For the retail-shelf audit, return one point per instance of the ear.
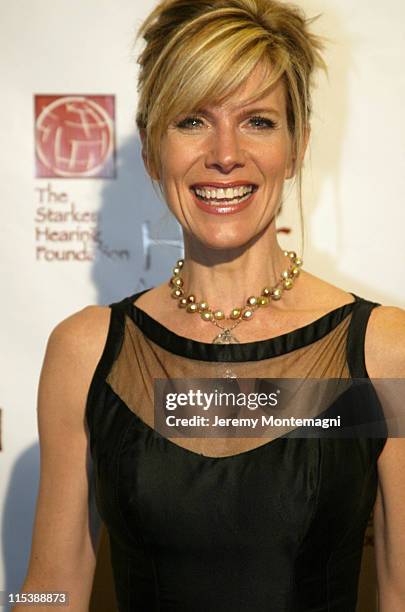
(152, 174)
(294, 162)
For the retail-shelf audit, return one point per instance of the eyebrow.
(264, 109)
(245, 110)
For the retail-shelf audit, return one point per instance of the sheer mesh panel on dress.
(141, 361)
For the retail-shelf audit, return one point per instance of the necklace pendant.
(229, 374)
(225, 337)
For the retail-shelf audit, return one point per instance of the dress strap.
(112, 346)
(115, 336)
(356, 337)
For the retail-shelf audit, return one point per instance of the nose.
(225, 151)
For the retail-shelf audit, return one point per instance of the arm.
(385, 358)
(67, 526)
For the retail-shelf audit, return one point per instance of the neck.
(226, 278)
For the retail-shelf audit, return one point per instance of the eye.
(189, 122)
(262, 122)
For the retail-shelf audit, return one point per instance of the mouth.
(218, 195)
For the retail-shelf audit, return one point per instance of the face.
(223, 168)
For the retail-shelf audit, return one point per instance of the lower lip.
(221, 209)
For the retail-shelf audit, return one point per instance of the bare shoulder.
(80, 338)
(73, 350)
(83, 331)
(385, 343)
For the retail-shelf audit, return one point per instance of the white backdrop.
(352, 200)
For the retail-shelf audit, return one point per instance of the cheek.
(280, 157)
(175, 162)
(172, 180)
(273, 159)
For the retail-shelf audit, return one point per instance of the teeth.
(223, 194)
(226, 202)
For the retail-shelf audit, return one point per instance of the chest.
(272, 497)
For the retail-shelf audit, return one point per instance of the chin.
(223, 241)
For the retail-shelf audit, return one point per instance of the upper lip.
(222, 185)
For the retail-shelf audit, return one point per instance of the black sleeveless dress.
(275, 527)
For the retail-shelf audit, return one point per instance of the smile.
(223, 200)
(223, 197)
(223, 194)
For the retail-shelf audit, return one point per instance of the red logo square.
(75, 136)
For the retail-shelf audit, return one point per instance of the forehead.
(248, 93)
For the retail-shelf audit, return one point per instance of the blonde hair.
(201, 51)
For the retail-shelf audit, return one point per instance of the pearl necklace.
(239, 314)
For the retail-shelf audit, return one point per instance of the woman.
(219, 523)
